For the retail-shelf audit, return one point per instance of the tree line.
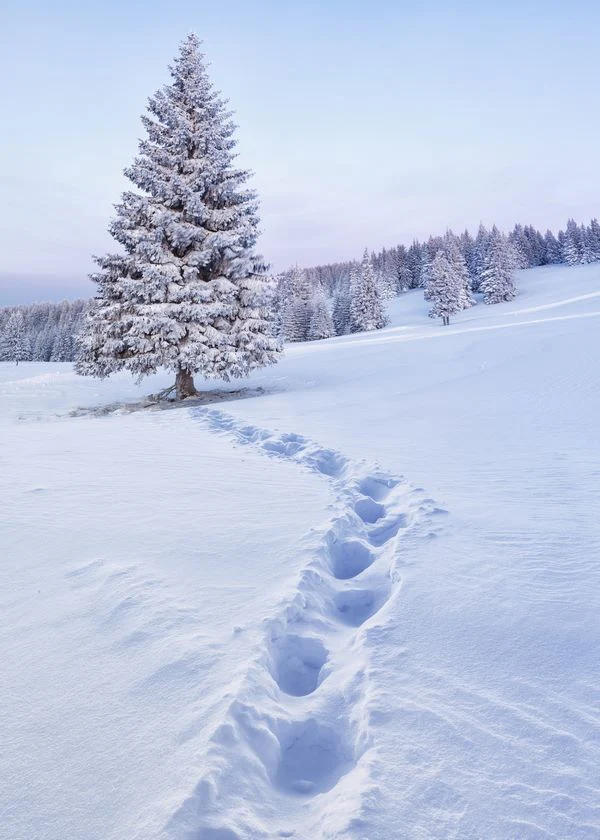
(41, 332)
(341, 298)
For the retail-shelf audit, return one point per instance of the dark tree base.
(184, 385)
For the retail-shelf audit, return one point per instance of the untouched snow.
(252, 622)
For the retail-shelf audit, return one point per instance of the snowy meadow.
(321, 611)
(313, 555)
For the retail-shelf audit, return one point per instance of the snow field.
(406, 669)
(137, 566)
(296, 747)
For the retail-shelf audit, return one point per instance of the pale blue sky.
(366, 123)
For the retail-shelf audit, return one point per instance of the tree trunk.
(184, 385)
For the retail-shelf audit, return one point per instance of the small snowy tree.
(497, 277)
(16, 347)
(188, 293)
(366, 307)
(321, 324)
(445, 288)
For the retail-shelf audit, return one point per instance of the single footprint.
(313, 758)
(297, 663)
(349, 558)
(355, 606)
(369, 510)
(377, 487)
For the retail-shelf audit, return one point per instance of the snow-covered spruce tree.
(413, 264)
(188, 293)
(572, 244)
(594, 239)
(445, 288)
(587, 252)
(479, 252)
(497, 277)
(16, 347)
(459, 266)
(294, 302)
(341, 309)
(521, 246)
(321, 324)
(553, 253)
(366, 306)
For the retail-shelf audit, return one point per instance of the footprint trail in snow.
(292, 757)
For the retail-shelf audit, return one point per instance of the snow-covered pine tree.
(425, 267)
(536, 245)
(572, 244)
(521, 246)
(341, 309)
(459, 266)
(366, 306)
(594, 239)
(428, 251)
(586, 254)
(497, 278)
(552, 249)
(400, 269)
(479, 255)
(188, 294)
(385, 266)
(467, 244)
(387, 285)
(413, 264)
(294, 300)
(445, 288)
(16, 347)
(321, 324)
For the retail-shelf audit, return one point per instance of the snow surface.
(250, 621)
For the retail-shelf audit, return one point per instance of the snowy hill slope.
(422, 663)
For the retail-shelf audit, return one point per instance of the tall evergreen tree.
(16, 347)
(586, 254)
(321, 324)
(467, 245)
(341, 310)
(594, 240)
(553, 253)
(294, 300)
(497, 278)
(459, 266)
(366, 306)
(445, 288)
(479, 254)
(188, 294)
(572, 244)
(413, 264)
(522, 247)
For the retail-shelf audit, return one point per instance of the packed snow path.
(295, 755)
